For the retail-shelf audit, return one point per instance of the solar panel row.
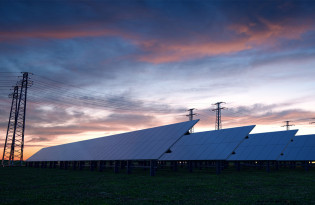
(138, 145)
(211, 145)
(169, 143)
(302, 148)
(263, 146)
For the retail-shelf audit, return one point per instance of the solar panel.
(210, 145)
(138, 145)
(302, 148)
(263, 146)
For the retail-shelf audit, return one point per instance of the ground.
(23, 185)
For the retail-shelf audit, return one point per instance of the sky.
(106, 67)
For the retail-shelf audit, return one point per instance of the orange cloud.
(82, 30)
(272, 31)
(168, 52)
(246, 38)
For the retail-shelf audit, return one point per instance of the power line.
(46, 91)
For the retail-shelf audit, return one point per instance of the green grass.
(22, 185)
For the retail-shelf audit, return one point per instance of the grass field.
(22, 185)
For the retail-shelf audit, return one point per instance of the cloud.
(62, 33)
(170, 32)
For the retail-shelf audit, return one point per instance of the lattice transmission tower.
(287, 125)
(191, 118)
(14, 141)
(218, 124)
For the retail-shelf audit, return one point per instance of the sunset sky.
(144, 63)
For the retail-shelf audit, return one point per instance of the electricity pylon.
(218, 124)
(287, 124)
(14, 141)
(190, 117)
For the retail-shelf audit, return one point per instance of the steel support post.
(218, 167)
(129, 163)
(306, 165)
(91, 165)
(195, 164)
(276, 165)
(237, 165)
(152, 167)
(144, 164)
(200, 165)
(190, 166)
(175, 166)
(116, 167)
(122, 164)
(268, 166)
(74, 165)
(100, 166)
(81, 163)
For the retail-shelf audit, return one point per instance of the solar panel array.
(138, 145)
(302, 148)
(169, 143)
(211, 145)
(263, 146)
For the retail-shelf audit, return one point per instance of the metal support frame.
(92, 165)
(218, 167)
(276, 165)
(152, 167)
(100, 166)
(175, 166)
(66, 163)
(268, 166)
(129, 165)
(306, 165)
(237, 165)
(190, 166)
(200, 165)
(116, 167)
(74, 165)
(81, 165)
